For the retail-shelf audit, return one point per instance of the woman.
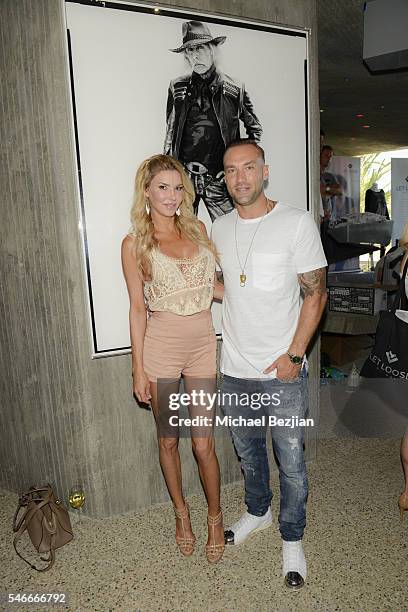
(403, 498)
(169, 267)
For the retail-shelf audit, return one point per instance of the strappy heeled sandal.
(214, 551)
(185, 543)
(403, 504)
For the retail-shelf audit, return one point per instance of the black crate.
(360, 300)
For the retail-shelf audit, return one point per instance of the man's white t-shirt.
(259, 320)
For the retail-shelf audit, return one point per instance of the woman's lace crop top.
(181, 286)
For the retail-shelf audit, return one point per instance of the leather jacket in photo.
(230, 102)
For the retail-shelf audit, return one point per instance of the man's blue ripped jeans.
(283, 401)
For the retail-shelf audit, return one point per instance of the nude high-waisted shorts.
(176, 345)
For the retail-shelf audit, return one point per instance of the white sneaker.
(294, 564)
(247, 524)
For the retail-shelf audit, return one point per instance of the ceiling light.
(360, 115)
(366, 126)
(322, 110)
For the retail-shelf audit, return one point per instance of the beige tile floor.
(356, 546)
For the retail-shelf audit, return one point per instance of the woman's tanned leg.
(169, 455)
(203, 446)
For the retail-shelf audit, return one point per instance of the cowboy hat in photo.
(197, 33)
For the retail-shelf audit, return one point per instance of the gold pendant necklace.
(243, 276)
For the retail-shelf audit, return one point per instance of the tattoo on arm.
(313, 282)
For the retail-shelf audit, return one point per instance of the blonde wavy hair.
(143, 229)
(403, 243)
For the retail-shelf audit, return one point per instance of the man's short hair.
(246, 141)
(326, 148)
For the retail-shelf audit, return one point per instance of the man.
(204, 110)
(329, 184)
(270, 252)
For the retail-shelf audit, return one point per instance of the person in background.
(169, 267)
(329, 185)
(321, 209)
(322, 137)
(403, 498)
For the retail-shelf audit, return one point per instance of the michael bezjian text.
(240, 421)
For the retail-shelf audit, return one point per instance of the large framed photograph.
(147, 79)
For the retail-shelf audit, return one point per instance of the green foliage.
(373, 168)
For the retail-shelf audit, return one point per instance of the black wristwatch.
(296, 359)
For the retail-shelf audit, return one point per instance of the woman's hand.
(218, 289)
(218, 285)
(141, 387)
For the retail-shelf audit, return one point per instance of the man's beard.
(248, 198)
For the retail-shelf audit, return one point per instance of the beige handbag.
(46, 521)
